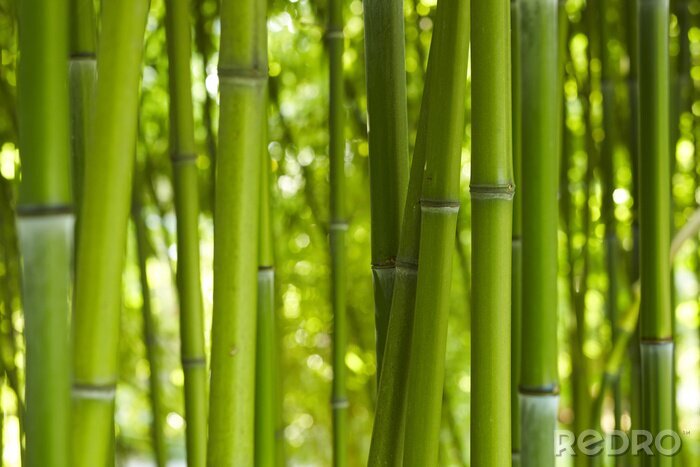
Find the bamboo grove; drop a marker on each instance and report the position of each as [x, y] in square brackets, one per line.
[350, 232]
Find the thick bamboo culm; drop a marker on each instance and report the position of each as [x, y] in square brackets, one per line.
[102, 231]
[517, 248]
[185, 174]
[439, 204]
[45, 227]
[539, 187]
[656, 329]
[337, 231]
[388, 149]
[492, 190]
[242, 83]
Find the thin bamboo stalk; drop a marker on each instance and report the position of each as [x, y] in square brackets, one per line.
[242, 83]
[656, 330]
[150, 332]
[102, 231]
[492, 189]
[82, 74]
[338, 228]
[388, 148]
[517, 239]
[439, 205]
[266, 384]
[185, 184]
[540, 101]
[45, 226]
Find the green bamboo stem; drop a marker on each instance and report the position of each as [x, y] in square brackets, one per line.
[82, 74]
[492, 189]
[656, 333]
[242, 83]
[517, 242]
[338, 229]
[540, 101]
[439, 205]
[266, 384]
[102, 231]
[45, 226]
[185, 184]
[150, 332]
[388, 148]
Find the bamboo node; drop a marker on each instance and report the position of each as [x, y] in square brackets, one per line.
[333, 33]
[181, 158]
[193, 362]
[498, 191]
[338, 225]
[104, 392]
[44, 210]
[340, 403]
[439, 206]
[246, 77]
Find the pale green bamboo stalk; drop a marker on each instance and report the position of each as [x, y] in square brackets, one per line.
[439, 206]
[242, 83]
[150, 333]
[656, 330]
[45, 226]
[492, 189]
[540, 102]
[337, 231]
[102, 231]
[388, 148]
[185, 183]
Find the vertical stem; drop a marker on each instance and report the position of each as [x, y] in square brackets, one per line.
[439, 205]
[185, 182]
[338, 229]
[656, 333]
[45, 226]
[150, 332]
[540, 101]
[388, 148]
[103, 229]
[242, 82]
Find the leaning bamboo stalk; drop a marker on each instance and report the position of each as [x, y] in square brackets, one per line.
[492, 190]
[439, 205]
[45, 226]
[185, 184]
[517, 239]
[540, 101]
[338, 229]
[242, 82]
[388, 148]
[102, 231]
[149, 329]
[656, 330]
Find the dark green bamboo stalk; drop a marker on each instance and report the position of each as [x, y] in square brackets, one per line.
[150, 333]
[338, 229]
[439, 205]
[82, 73]
[492, 189]
[45, 226]
[388, 148]
[242, 83]
[517, 242]
[266, 385]
[540, 102]
[656, 333]
[185, 183]
[102, 231]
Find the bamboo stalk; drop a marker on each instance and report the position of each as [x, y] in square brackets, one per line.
[149, 330]
[388, 148]
[102, 231]
[242, 80]
[517, 240]
[185, 184]
[45, 226]
[540, 87]
[492, 189]
[338, 229]
[656, 333]
[439, 205]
